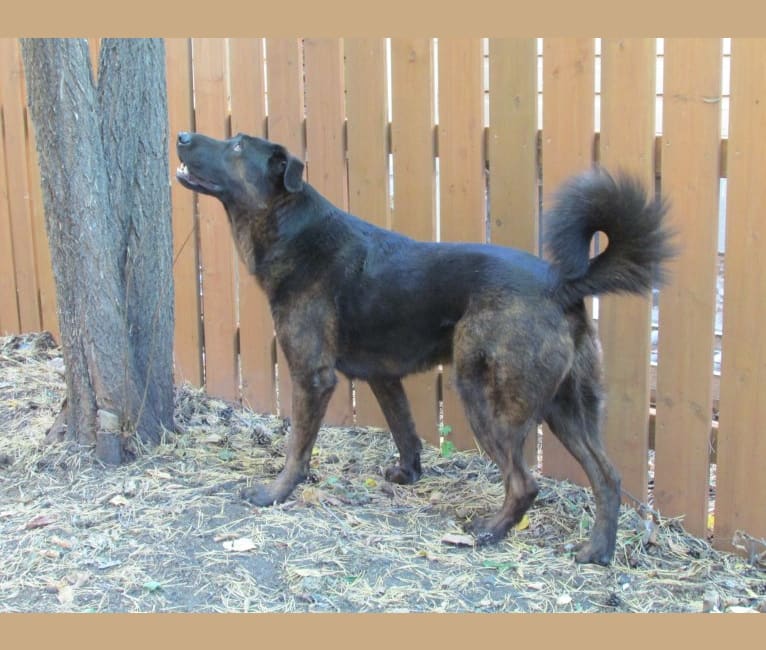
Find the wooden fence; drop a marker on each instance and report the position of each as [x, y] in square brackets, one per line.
[447, 140]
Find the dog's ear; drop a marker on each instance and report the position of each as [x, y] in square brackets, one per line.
[287, 168]
[293, 175]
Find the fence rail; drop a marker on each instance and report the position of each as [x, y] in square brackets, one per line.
[446, 140]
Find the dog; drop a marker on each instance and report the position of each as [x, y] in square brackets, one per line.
[349, 297]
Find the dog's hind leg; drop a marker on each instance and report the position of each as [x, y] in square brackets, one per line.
[509, 360]
[574, 417]
[500, 419]
[396, 409]
[503, 441]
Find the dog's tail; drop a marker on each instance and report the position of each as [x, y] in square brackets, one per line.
[639, 240]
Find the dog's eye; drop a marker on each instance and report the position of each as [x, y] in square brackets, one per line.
[237, 147]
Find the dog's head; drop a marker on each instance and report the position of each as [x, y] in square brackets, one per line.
[243, 171]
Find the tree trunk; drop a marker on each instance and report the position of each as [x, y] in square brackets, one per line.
[103, 162]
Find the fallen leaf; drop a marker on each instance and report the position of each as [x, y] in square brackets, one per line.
[61, 543]
[239, 545]
[370, 482]
[563, 599]
[224, 537]
[537, 586]
[523, 524]
[38, 522]
[458, 540]
[50, 554]
[158, 474]
[678, 549]
[118, 500]
[311, 496]
[79, 579]
[65, 595]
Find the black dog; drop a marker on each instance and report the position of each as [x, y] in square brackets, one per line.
[348, 296]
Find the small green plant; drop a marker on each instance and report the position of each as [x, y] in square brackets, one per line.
[447, 447]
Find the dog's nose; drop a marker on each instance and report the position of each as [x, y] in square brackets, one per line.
[184, 137]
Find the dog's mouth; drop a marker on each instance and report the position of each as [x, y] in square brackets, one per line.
[194, 182]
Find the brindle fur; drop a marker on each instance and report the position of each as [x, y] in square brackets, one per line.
[374, 305]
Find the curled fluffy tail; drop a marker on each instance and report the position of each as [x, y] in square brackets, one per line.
[639, 240]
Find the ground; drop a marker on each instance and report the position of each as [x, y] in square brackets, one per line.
[168, 531]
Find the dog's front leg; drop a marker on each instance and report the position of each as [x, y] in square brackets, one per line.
[311, 393]
[396, 409]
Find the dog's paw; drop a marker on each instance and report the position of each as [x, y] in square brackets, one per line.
[484, 530]
[401, 475]
[589, 553]
[259, 495]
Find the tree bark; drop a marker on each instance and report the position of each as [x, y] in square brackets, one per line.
[103, 162]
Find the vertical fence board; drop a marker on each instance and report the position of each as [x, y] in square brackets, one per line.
[628, 97]
[367, 146]
[326, 151]
[513, 191]
[741, 481]
[9, 311]
[461, 178]
[187, 345]
[412, 143]
[217, 249]
[16, 174]
[284, 75]
[690, 169]
[256, 327]
[568, 114]
[44, 269]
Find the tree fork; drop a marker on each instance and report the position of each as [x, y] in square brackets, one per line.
[103, 161]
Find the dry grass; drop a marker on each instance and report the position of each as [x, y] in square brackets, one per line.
[169, 533]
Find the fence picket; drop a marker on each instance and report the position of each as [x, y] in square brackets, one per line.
[256, 327]
[627, 97]
[691, 126]
[512, 152]
[19, 205]
[568, 116]
[367, 144]
[284, 78]
[412, 143]
[462, 184]
[187, 346]
[325, 148]
[741, 481]
[216, 246]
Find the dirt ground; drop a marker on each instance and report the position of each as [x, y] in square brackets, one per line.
[169, 533]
